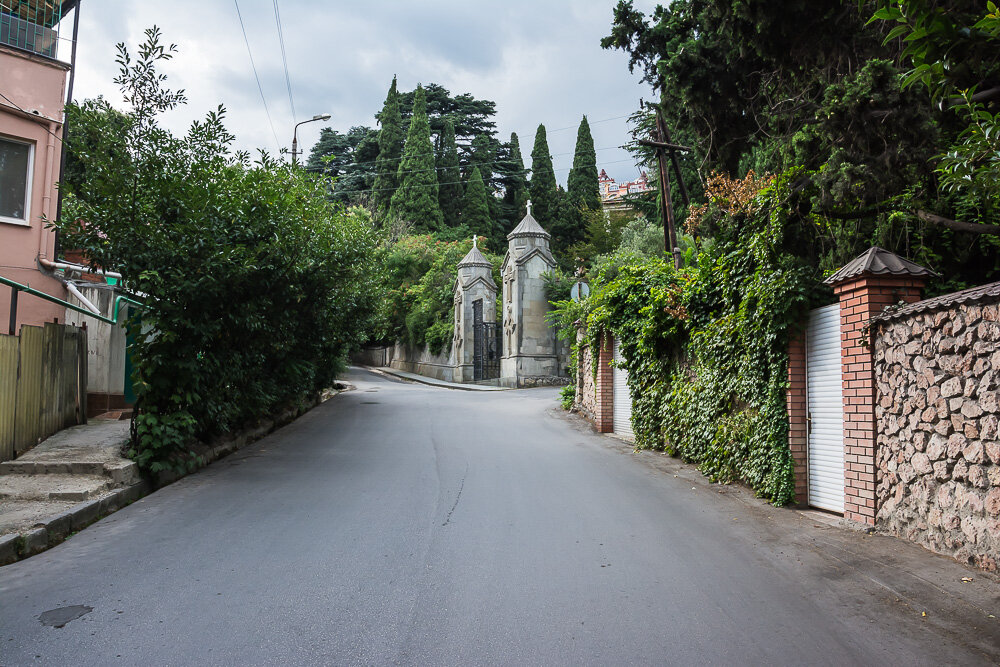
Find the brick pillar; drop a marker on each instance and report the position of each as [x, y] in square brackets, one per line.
[795, 400]
[861, 298]
[605, 385]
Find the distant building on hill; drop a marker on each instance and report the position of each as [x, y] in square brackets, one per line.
[613, 194]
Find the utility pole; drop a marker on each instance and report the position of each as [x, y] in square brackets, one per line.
[661, 142]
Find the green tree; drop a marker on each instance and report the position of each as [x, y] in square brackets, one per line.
[582, 193]
[543, 181]
[219, 248]
[449, 178]
[475, 206]
[582, 185]
[806, 86]
[416, 197]
[954, 50]
[514, 180]
[390, 150]
[349, 158]
[483, 155]
[470, 116]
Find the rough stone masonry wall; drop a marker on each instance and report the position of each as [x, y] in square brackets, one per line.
[938, 458]
[586, 394]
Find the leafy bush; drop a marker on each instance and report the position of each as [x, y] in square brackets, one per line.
[567, 395]
[255, 286]
[706, 346]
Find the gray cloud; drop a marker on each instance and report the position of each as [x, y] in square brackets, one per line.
[541, 62]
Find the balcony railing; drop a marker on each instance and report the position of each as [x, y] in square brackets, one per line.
[27, 35]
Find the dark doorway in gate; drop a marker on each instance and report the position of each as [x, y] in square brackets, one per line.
[486, 345]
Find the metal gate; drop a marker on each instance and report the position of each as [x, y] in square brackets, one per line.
[485, 345]
[824, 389]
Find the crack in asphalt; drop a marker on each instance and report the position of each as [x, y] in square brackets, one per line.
[457, 497]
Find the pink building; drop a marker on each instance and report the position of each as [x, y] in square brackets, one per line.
[32, 96]
[612, 192]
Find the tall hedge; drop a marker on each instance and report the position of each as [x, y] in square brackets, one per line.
[255, 286]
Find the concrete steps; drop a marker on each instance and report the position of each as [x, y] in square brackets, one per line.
[54, 486]
[121, 472]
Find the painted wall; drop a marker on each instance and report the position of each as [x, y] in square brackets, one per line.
[38, 86]
[105, 342]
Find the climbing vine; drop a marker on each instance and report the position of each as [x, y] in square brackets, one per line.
[706, 346]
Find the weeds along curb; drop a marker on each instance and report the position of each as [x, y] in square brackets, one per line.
[55, 529]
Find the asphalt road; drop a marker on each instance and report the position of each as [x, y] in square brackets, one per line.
[405, 524]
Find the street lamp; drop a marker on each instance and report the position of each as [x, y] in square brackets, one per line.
[295, 133]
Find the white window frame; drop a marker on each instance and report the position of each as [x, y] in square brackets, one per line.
[30, 180]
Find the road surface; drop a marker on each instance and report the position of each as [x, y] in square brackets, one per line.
[405, 524]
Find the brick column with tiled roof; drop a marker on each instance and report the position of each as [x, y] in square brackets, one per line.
[865, 287]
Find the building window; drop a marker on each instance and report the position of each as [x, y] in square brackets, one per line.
[15, 181]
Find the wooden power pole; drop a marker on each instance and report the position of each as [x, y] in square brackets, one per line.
[661, 142]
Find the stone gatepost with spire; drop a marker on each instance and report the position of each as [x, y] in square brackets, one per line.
[530, 346]
[475, 292]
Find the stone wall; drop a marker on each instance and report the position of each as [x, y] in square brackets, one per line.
[421, 361]
[586, 394]
[937, 372]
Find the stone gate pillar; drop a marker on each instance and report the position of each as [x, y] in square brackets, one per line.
[474, 288]
[530, 345]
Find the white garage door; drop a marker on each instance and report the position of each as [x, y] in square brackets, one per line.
[623, 399]
[826, 409]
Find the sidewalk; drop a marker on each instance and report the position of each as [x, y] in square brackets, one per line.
[64, 484]
[423, 379]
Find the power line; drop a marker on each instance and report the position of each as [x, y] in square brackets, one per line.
[603, 120]
[255, 76]
[351, 192]
[492, 162]
[284, 59]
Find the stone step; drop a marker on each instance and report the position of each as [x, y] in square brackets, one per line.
[28, 467]
[53, 487]
[122, 472]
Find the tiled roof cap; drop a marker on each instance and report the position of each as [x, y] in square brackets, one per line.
[878, 262]
[475, 258]
[529, 227]
[990, 292]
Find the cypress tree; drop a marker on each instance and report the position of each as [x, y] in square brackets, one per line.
[582, 192]
[476, 207]
[483, 155]
[449, 178]
[515, 185]
[390, 149]
[416, 196]
[543, 180]
[582, 185]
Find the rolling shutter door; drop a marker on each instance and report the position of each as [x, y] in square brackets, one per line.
[826, 409]
[622, 398]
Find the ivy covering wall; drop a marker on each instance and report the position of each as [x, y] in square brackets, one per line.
[706, 346]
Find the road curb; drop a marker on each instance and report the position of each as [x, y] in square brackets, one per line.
[430, 382]
[55, 529]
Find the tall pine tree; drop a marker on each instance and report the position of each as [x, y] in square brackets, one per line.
[582, 185]
[514, 178]
[416, 197]
[449, 178]
[543, 180]
[476, 207]
[390, 149]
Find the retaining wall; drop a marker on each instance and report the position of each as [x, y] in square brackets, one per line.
[937, 375]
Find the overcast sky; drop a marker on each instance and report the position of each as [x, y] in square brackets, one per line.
[540, 61]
